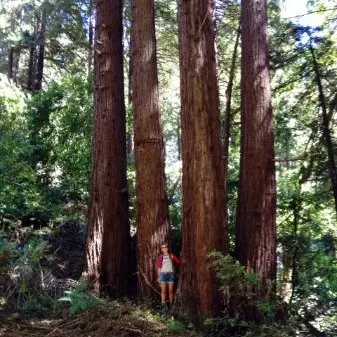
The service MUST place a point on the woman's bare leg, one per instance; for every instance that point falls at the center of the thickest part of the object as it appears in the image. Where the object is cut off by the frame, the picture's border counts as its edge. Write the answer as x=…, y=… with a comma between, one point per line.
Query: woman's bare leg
x=163, y=287
x=171, y=292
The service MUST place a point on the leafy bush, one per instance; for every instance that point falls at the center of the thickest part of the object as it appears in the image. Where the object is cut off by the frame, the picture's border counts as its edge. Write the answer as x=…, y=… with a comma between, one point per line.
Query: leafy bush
x=24, y=279
x=40, y=304
x=27, y=284
x=79, y=300
x=245, y=315
x=19, y=194
x=174, y=325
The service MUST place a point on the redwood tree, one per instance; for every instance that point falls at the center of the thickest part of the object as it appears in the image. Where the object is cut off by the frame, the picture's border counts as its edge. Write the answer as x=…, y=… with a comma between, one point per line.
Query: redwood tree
x=108, y=234
x=255, y=229
x=152, y=210
x=204, y=227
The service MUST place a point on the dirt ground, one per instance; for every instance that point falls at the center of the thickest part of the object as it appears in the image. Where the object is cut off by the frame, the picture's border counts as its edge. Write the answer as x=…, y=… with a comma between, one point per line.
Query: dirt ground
x=66, y=266
x=125, y=321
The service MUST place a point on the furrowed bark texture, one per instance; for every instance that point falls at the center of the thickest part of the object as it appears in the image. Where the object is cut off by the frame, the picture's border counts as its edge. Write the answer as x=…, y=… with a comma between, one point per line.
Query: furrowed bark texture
x=152, y=209
x=255, y=230
x=108, y=234
x=204, y=227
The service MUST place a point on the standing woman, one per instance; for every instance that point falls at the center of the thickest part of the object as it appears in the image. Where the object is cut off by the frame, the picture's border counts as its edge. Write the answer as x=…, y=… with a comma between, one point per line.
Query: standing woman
x=165, y=265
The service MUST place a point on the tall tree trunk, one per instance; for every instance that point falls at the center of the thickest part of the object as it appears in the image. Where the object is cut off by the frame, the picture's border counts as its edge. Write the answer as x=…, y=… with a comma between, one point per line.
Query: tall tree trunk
x=108, y=233
x=129, y=143
x=295, y=247
x=16, y=62
x=256, y=216
x=204, y=223
x=11, y=55
x=325, y=127
x=152, y=209
x=32, y=61
x=40, y=55
x=16, y=21
x=31, y=66
x=287, y=274
x=10, y=63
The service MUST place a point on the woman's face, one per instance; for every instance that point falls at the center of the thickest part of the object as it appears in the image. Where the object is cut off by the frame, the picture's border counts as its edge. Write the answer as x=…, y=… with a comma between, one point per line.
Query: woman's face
x=164, y=249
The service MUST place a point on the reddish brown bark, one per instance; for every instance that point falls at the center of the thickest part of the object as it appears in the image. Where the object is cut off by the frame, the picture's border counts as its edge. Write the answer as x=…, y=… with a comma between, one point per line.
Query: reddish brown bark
x=255, y=230
x=108, y=234
x=204, y=227
x=152, y=210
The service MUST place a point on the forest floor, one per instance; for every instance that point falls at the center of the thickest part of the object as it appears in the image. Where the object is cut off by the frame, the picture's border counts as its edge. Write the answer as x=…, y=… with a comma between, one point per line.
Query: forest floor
x=126, y=320
x=60, y=274
x=62, y=269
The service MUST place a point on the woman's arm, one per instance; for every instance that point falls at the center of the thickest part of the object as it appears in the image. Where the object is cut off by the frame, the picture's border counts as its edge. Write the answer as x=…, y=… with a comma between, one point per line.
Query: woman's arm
x=175, y=259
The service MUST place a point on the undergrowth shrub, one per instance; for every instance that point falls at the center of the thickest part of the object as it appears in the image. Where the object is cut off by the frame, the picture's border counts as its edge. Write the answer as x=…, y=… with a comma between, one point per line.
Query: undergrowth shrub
x=40, y=305
x=246, y=315
x=174, y=325
x=27, y=283
x=80, y=300
x=24, y=281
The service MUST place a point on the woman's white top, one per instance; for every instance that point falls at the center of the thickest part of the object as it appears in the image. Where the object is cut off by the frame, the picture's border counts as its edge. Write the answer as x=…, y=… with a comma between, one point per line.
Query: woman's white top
x=167, y=266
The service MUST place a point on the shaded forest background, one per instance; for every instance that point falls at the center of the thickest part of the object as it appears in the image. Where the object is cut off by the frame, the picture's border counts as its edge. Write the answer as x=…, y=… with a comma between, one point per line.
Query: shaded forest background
x=46, y=97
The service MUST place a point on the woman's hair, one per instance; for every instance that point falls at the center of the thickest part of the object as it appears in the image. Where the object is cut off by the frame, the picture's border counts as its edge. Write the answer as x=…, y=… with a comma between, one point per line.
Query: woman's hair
x=165, y=244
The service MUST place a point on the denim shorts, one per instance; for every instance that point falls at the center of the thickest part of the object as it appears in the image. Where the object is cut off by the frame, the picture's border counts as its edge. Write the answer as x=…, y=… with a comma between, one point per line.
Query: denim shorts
x=166, y=278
